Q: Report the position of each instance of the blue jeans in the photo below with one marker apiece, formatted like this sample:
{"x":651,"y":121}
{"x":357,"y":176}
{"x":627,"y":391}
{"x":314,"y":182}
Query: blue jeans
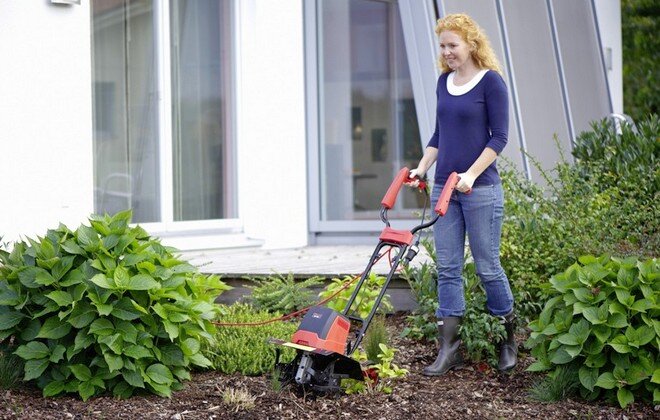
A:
{"x":480,"y":215}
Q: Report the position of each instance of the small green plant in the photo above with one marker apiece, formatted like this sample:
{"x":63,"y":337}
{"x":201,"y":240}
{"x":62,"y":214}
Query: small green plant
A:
{"x":563,"y":383}
{"x":283,"y":294}
{"x":386,"y":372}
{"x":11,"y":368}
{"x":245,"y":349}
{"x":275,"y":378}
{"x":375,"y":336}
{"x":238,"y":399}
{"x":480,"y":331}
{"x":602,"y":319}
{"x":105,"y":308}
{"x":365,"y":299}
{"x":422,"y":280}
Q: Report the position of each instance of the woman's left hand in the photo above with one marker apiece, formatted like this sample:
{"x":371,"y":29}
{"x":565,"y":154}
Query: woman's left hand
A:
{"x":465,"y":182}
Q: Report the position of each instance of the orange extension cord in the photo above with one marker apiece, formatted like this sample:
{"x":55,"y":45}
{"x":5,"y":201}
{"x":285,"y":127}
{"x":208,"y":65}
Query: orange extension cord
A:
{"x":303,"y":310}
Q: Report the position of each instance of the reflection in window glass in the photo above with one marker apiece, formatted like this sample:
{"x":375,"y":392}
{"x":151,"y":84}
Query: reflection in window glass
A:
{"x":200,"y":38}
{"x":125,"y":109}
{"x":368,"y":123}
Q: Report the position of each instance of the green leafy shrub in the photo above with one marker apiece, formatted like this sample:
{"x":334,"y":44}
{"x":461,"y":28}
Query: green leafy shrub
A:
{"x":283,"y":294}
{"x":640,"y":25}
{"x":365,"y":299}
{"x":11,"y":366}
{"x":625,"y":168}
{"x":545,"y":231}
{"x":531,"y":248}
{"x":604,"y":203}
{"x":245,"y":349}
{"x":105,"y":308}
{"x":602,"y":319}
{"x":604,"y":156}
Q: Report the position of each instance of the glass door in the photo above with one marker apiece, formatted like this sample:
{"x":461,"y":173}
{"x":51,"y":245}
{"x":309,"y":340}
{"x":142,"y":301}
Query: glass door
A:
{"x":367,"y":123}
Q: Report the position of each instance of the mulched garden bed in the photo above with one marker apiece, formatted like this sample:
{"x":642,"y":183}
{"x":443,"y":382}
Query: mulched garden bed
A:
{"x":471,"y":392}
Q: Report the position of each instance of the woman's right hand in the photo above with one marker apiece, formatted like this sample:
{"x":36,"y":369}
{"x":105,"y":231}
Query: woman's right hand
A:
{"x":415,"y":176}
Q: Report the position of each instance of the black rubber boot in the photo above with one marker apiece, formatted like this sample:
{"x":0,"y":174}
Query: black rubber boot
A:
{"x":449,"y":356}
{"x":508,"y":347}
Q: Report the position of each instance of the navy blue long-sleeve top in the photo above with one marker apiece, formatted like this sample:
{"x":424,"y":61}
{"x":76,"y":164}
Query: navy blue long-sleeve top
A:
{"x":466,"y":124}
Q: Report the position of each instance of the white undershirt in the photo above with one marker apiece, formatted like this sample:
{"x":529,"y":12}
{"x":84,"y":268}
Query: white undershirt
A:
{"x":463,"y":89}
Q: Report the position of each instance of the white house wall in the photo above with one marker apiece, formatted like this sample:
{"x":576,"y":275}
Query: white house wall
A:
{"x":45,"y":117}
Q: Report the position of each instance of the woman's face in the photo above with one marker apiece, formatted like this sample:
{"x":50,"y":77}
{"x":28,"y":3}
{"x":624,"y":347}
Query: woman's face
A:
{"x":454,"y":50}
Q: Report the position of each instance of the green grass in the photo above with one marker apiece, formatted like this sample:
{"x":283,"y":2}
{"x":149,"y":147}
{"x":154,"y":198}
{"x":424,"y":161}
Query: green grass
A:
{"x":560,"y":387}
{"x":11,"y":369}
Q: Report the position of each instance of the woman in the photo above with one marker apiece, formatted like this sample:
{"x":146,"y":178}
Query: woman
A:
{"x":470,"y":132}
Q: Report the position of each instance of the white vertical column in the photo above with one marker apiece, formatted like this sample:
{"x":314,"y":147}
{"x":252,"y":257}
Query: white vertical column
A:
{"x":272,"y":181}
{"x":312,"y":110}
{"x":162,"y":38}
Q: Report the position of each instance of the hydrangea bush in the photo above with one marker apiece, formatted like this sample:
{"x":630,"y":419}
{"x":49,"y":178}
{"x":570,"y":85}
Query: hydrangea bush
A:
{"x":105,"y":308}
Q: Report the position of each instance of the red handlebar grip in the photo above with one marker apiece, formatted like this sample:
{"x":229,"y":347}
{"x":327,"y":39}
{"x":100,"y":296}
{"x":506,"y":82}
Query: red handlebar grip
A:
{"x":445,"y":195}
{"x":393,"y":190}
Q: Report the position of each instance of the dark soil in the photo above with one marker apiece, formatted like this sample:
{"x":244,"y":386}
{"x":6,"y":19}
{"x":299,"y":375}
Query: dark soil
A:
{"x":472,"y":392}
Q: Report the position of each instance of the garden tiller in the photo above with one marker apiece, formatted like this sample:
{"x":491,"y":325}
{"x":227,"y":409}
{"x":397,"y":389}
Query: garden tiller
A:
{"x":322,"y":339}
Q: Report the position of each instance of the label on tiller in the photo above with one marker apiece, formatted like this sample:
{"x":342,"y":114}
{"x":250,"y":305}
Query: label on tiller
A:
{"x":292,"y":345}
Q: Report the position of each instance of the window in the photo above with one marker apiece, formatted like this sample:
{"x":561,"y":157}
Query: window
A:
{"x":163,"y":109}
